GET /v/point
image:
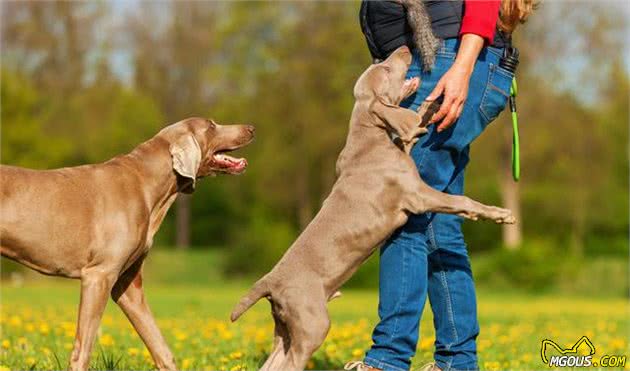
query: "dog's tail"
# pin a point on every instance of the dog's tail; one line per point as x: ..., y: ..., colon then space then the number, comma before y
x: 260, y: 289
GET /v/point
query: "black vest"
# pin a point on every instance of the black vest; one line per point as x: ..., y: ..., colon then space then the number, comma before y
x: 384, y: 24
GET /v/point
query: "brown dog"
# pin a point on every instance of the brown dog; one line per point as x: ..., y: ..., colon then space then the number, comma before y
x: 97, y: 222
x: 377, y: 187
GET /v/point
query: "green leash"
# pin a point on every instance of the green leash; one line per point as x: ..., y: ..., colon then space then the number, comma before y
x: 516, y: 155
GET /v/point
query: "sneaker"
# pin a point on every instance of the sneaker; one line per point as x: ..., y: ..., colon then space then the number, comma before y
x: 359, y: 366
x: 430, y: 367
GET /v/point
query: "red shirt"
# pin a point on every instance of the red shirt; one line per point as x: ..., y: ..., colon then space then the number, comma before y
x: 480, y: 18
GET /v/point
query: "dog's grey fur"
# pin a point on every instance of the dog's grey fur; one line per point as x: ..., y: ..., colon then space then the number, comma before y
x: 377, y: 188
x: 96, y: 222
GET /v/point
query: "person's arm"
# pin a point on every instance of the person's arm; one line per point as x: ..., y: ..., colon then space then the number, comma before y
x: 478, y: 25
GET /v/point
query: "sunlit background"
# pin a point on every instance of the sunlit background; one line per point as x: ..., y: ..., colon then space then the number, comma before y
x: 85, y: 81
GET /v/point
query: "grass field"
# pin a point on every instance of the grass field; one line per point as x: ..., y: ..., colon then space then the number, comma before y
x: 38, y: 325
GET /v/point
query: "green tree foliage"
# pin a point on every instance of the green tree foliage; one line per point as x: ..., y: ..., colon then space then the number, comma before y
x: 82, y: 82
x: 24, y: 140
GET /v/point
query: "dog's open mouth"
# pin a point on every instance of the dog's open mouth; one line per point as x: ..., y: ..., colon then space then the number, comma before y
x: 228, y: 164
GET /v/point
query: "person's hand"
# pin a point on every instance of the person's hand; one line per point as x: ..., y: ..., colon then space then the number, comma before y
x: 453, y: 85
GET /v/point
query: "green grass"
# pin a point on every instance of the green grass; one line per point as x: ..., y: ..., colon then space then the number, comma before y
x: 38, y: 324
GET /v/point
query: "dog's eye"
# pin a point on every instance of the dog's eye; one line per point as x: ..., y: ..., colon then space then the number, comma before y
x: 387, y: 68
x: 211, y: 124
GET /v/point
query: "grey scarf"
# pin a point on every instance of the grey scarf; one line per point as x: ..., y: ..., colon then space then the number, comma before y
x: 426, y: 43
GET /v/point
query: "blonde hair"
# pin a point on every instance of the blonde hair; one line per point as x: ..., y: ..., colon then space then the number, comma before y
x: 515, y: 12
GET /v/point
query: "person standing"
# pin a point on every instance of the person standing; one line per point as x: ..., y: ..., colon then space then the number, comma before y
x: 428, y: 255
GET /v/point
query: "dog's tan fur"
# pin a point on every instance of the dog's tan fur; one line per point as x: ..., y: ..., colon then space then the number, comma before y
x: 97, y: 222
x: 377, y: 187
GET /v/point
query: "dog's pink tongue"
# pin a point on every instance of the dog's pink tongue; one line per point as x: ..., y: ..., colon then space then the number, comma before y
x: 241, y: 164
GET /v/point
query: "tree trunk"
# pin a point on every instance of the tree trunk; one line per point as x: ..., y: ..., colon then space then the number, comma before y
x: 510, y: 194
x: 182, y: 222
x: 512, y: 233
x: 578, y: 226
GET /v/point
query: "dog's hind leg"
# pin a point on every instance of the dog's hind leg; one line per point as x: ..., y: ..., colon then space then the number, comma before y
x: 129, y: 296
x: 96, y: 283
x: 281, y: 341
x: 308, y: 324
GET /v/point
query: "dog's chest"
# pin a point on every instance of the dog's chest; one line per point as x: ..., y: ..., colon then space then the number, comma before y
x: 156, y: 218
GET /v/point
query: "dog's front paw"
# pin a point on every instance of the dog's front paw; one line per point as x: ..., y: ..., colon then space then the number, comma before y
x: 426, y: 110
x: 501, y: 216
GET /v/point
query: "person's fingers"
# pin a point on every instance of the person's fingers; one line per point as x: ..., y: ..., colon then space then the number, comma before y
x: 444, y: 109
x: 452, y: 115
x: 459, y: 111
x: 437, y: 91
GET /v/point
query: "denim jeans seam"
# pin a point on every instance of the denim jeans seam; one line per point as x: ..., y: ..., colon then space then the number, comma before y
x: 432, y: 239
x: 403, y: 290
x: 378, y: 363
x: 484, y: 95
x: 449, y: 304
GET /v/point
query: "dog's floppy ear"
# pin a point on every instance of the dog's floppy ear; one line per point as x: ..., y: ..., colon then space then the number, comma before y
x: 186, y: 156
x: 405, y: 122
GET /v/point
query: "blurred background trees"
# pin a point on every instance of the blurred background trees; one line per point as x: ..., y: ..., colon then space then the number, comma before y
x: 84, y: 81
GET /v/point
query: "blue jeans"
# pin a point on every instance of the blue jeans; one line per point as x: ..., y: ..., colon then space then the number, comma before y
x: 428, y: 254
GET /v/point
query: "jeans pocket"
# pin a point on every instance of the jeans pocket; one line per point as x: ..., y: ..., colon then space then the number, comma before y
x: 496, y: 93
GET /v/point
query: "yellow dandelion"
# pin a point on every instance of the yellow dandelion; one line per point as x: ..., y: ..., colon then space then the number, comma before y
x: 617, y: 343
x: 6, y: 344
x: 186, y: 363
x: 106, y: 340
x: 179, y: 335
x: 261, y: 336
x: 492, y: 365
x: 357, y: 352
x: 226, y: 334
x: 236, y: 355
x: 4, y: 368
x: 330, y: 350
x: 133, y: 351
x: 30, y: 361
x: 15, y: 321
x: 44, y: 329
